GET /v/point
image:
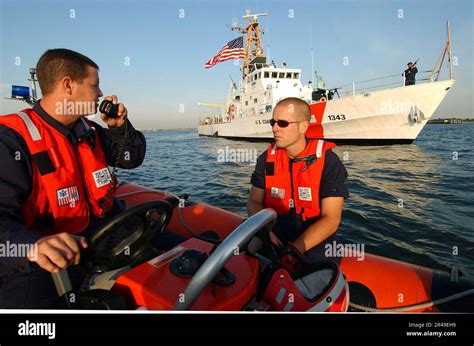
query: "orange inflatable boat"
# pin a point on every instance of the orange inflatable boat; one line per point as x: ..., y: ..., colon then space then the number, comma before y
x: 188, y: 255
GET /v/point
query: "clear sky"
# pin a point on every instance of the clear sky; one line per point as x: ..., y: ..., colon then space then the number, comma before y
x: 152, y: 53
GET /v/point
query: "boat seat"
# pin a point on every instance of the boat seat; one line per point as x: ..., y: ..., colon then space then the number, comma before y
x: 317, y: 287
x: 315, y: 283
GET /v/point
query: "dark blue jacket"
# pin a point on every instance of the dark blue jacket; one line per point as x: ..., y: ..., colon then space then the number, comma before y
x: 16, y: 178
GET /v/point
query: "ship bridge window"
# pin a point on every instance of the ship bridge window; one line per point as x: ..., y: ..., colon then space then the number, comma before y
x: 282, y: 75
x: 266, y: 75
x: 274, y: 75
x: 288, y: 75
x: 296, y: 75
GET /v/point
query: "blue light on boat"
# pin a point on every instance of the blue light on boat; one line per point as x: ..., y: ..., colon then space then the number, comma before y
x: 19, y: 91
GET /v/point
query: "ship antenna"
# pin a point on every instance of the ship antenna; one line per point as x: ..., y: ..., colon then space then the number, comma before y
x: 312, y: 54
x: 33, y: 81
x: 252, y: 40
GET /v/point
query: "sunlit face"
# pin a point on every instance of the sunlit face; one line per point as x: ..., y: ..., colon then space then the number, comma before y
x: 289, y: 135
x: 87, y: 92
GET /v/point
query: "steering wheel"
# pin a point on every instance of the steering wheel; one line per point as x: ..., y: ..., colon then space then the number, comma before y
x: 268, y: 248
x: 128, y: 238
x: 221, y: 255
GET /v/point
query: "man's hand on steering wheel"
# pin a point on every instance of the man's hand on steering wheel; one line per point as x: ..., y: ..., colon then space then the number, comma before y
x: 292, y: 259
x: 287, y: 255
x: 255, y: 245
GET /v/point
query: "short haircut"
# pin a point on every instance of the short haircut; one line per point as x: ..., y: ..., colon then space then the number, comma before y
x: 299, y: 106
x: 56, y: 64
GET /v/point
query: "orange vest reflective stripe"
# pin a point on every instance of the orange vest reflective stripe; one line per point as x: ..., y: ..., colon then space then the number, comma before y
x: 291, y: 185
x: 68, y: 183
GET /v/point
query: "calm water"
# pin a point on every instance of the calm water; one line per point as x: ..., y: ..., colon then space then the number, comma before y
x: 409, y: 202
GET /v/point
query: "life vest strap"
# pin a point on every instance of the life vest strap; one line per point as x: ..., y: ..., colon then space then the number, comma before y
x: 319, y: 148
x: 274, y: 148
x: 32, y: 129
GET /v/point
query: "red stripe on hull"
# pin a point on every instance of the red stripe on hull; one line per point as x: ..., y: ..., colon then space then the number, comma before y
x: 316, y: 130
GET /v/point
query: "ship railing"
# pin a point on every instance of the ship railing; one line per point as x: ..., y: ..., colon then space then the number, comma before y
x: 374, y: 84
x: 225, y: 118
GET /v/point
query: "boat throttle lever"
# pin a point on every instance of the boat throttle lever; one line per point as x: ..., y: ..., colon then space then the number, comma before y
x: 64, y: 287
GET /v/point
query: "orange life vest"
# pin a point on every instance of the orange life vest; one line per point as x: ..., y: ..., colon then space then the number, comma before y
x: 295, y: 185
x: 69, y: 183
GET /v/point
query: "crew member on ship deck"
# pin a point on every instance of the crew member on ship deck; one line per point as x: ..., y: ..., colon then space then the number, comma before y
x: 410, y: 74
x: 303, y: 180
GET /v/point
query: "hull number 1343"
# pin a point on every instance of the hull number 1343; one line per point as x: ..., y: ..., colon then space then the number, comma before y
x: 337, y: 117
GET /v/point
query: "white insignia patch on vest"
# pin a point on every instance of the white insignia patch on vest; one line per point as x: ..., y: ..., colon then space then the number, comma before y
x: 275, y: 192
x: 102, y: 177
x: 304, y: 193
x: 67, y: 195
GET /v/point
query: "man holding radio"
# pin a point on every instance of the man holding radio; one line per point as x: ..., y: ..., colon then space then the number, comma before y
x: 55, y: 182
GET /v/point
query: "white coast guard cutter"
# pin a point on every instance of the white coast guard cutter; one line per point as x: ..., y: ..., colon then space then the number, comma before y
x: 393, y: 115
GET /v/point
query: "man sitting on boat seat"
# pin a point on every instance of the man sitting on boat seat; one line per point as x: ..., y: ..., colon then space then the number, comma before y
x: 55, y: 182
x: 410, y: 73
x: 302, y: 180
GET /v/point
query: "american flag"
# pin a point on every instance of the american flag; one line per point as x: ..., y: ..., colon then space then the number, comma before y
x: 67, y: 195
x: 232, y: 50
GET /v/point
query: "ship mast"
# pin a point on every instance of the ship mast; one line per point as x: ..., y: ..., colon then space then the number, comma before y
x: 253, y: 41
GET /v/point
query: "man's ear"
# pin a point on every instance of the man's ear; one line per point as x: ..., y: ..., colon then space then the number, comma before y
x: 66, y: 85
x: 304, y: 125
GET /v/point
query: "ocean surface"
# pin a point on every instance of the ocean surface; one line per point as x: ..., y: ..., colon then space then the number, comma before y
x: 411, y: 202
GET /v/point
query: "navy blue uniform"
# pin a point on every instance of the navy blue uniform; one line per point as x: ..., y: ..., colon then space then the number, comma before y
x: 25, y: 284
x: 289, y: 227
x: 410, y: 76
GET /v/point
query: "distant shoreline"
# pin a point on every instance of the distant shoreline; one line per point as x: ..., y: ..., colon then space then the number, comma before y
x: 450, y: 121
x: 158, y: 130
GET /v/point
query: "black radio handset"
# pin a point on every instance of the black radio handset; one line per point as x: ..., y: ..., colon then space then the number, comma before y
x: 110, y: 109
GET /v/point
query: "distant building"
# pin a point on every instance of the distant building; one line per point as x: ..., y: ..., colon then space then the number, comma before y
x: 446, y: 121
